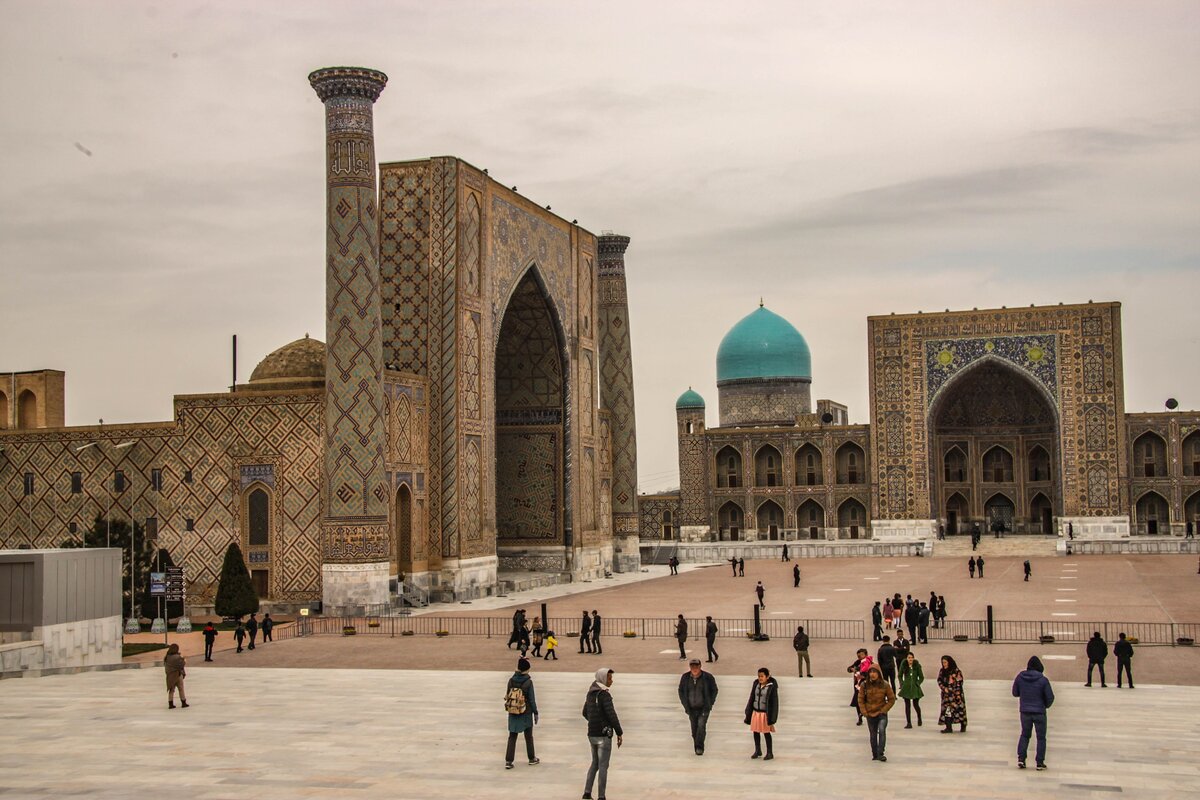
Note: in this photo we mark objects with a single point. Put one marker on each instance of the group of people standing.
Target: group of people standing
(918, 616)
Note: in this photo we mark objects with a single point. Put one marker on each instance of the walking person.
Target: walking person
(877, 622)
(252, 630)
(521, 705)
(897, 610)
(885, 658)
(912, 618)
(979, 565)
(596, 624)
(710, 639)
(875, 698)
(697, 694)
(800, 645)
(239, 635)
(551, 647)
(760, 590)
(785, 552)
(268, 625)
(537, 637)
(762, 710)
(954, 699)
(902, 647)
(1097, 651)
(602, 725)
(971, 566)
(733, 563)
(933, 606)
(518, 626)
(176, 669)
(681, 633)
(1028, 569)
(858, 671)
(1036, 697)
(741, 567)
(210, 635)
(942, 610)
(795, 576)
(911, 678)
(585, 634)
(923, 616)
(1123, 650)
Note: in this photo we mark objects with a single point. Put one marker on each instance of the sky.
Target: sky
(163, 172)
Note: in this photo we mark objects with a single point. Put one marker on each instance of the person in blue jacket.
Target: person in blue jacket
(1033, 688)
(522, 713)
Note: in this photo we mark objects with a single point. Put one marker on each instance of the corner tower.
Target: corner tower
(616, 393)
(693, 466)
(354, 569)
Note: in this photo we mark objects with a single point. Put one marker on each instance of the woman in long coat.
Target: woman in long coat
(911, 678)
(175, 666)
(954, 702)
(523, 722)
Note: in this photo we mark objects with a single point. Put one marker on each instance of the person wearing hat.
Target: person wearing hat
(1033, 688)
(602, 725)
(697, 694)
(521, 705)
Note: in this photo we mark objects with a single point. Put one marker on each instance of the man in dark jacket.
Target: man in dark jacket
(602, 723)
(886, 659)
(800, 645)
(760, 590)
(268, 625)
(795, 576)
(681, 636)
(1123, 650)
(697, 693)
(1036, 696)
(877, 621)
(210, 635)
(979, 565)
(252, 629)
(710, 639)
(596, 623)
(912, 618)
(923, 615)
(1097, 651)
(239, 635)
(585, 634)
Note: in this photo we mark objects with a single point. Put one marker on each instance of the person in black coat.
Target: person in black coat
(1123, 650)
(710, 639)
(979, 565)
(210, 635)
(602, 725)
(877, 621)
(886, 659)
(596, 623)
(697, 694)
(681, 634)
(902, 647)
(923, 617)
(741, 567)
(762, 710)
(971, 566)
(252, 629)
(760, 590)
(912, 618)
(1097, 651)
(239, 635)
(795, 576)
(268, 625)
(585, 634)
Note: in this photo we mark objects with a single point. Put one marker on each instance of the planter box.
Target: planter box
(1185, 641)
(1046, 639)
(630, 634)
(962, 637)
(349, 630)
(373, 623)
(441, 633)
(407, 633)
(1133, 640)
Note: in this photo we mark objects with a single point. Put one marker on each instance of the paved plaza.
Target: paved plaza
(293, 733)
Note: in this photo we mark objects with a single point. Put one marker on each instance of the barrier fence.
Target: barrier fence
(567, 628)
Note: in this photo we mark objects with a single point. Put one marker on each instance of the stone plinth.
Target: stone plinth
(903, 530)
(350, 586)
(1094, 527)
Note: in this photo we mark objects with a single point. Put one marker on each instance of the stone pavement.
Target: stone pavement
(274, 734)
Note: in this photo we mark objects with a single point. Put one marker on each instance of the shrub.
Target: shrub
(235, 593)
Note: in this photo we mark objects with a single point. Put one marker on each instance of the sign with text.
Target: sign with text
(174, 583)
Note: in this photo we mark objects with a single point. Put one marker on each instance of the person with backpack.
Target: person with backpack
(521, 705)
(602, 725)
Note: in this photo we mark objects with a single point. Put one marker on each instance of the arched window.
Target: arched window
(729, 522)
(1150, 456)
(852, 518)
(1039, 465)
(767, 467)
(667, 528)
(27, 410)
(3, 411)
(851, 464)
(810, 518)
(404, 528)
(258, 513)
(770, 519)
(955, 465)
(1153, 514)
(1191, 512)
(1191, 455)
(997, 466)
(956, 513)
(729, 468)
(1041, 515)
(809, 469)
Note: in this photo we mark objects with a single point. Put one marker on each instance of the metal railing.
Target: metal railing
(1060, 632)
(566, 628)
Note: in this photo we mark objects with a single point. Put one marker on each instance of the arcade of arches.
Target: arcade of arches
(994, 434)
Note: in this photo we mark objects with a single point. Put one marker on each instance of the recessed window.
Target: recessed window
(119, 481)
(156, 480)
(28, 484)
(151, 529)
(187, 476)
(76, 482)
(73, 528)
(189, 524)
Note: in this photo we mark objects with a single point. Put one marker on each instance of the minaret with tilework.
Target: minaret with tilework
(616, 394)
(355, 561)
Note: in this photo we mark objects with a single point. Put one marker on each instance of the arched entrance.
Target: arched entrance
(531, 427)
(27, 410)
(852, 517)
(729, 522)
(770, 520)
(404, 529)
(1153, 515)
(1191, 512)
(810, 518)
(993, 435)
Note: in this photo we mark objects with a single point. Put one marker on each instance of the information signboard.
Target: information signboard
(174, 583)
(158, 584)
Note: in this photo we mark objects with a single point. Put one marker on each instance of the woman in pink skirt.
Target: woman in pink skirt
(762, 709)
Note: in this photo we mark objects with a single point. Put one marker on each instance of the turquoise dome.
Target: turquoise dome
(689, 399)
(763, 345)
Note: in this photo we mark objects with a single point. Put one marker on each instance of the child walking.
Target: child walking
(551, 645)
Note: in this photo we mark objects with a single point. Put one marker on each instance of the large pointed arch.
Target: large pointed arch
(1152, 514)
(769, 519)
(768, 466)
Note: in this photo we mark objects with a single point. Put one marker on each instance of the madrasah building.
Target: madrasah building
(467, 424)
(1010, 419)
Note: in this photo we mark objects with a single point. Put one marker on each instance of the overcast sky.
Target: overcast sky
(162, 173)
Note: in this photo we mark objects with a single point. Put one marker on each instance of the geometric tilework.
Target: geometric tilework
(529, 503)
(616, 376)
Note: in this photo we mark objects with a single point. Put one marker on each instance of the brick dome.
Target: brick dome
(298, 365)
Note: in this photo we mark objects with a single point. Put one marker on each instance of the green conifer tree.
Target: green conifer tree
(235, 593)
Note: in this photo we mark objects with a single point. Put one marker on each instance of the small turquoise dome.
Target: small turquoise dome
(763, 345)
(689, 399)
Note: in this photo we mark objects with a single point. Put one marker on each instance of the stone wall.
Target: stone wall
(85, 643)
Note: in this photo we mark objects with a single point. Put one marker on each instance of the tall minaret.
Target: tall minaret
(354, 570)
(616, 393)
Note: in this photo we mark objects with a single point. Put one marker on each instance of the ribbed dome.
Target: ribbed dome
(763, 345)
(298, 364)
(689, 399)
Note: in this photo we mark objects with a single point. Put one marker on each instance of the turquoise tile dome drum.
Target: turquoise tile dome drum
(689, 399)
(763, 345)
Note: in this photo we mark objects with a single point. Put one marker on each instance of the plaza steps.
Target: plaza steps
(1010, 545)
